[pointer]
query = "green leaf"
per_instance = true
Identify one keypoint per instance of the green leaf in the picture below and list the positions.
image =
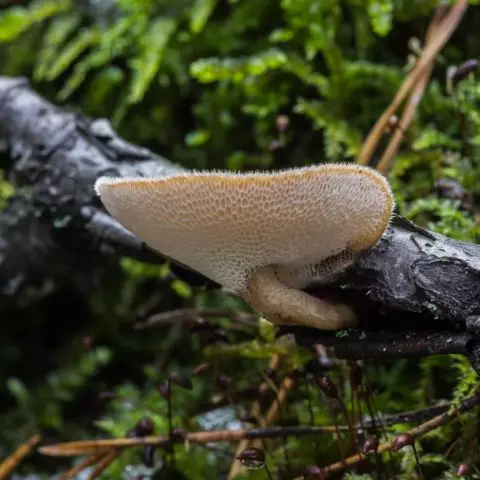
(200, 13)
(341, 138)
(182, 289)
(430, 138)
(12, 23)
(141, 270)
(197, 138)
(266, 330)
(381, 15)
(281, 35)
(81, 42)
(108, 44)
(6, 190)
(16, 20)
(18, 390)
(58, 31)
(235, 70)
(146, 65)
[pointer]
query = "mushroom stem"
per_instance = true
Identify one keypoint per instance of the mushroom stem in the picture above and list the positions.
(283, 305)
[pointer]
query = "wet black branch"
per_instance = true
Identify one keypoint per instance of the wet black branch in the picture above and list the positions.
(55, 231)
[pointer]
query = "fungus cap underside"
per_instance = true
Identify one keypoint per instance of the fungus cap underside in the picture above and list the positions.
(224, 225)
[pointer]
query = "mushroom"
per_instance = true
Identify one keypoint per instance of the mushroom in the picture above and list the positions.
(265, 236)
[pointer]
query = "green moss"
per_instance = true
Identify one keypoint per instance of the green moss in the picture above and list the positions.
(203, 83)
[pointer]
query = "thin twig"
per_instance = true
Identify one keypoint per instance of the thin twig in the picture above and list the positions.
(79, 448)
(431, 50)
(415, 97)
(103, 464)
(255, 411)
(93, 446)
(81, 466)
(188, 314)
(16, 457)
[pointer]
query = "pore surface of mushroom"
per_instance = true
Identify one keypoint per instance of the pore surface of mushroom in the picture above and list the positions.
(263, 235)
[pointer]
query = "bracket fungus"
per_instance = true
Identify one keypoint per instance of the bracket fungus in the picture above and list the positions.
(266, 236)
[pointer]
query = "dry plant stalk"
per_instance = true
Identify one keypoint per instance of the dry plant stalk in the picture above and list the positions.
(16, 457)
(84, 464)
(440, 30)
(103, 464)
(87, 447)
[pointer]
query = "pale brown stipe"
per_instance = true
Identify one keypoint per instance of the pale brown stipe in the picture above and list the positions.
(303, 225)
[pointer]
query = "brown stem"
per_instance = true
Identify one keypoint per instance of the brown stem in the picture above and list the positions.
(11, 462)
(80, 466)
(445, 29)
(103, 464)
(414, 100)
(79, 448)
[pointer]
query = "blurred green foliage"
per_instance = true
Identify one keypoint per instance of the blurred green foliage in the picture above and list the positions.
(204, 82)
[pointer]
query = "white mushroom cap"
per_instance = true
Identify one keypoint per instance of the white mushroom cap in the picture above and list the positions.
(225, 225)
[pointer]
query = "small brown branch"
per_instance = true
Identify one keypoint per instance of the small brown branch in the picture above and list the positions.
(280, 398)
(79, 448)
(445, 29)
(16, 457)
(419, 89)
(189, 314)
(81, 466)
(103, 464)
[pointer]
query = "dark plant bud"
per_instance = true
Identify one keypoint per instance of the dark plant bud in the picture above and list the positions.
(370, 445)
(203, 367)
(224, 382)
(164, 390)
(148, 455)
(275, 145)
(312, 472)
(356, 375)
(181, 380)
(252, 458)
(144, 427)
(463, 470)
(87, 342)
(464, 70)
(392, 123)
(326, 386)
(282, 122)
(179, 435)
(402, 440)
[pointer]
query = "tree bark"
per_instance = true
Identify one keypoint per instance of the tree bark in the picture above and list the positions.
(55, 230)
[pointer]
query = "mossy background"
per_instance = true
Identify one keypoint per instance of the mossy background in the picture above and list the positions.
(203, 83)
